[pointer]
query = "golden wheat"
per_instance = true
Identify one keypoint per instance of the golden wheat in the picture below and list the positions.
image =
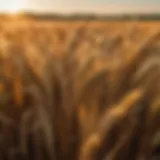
(79, 90)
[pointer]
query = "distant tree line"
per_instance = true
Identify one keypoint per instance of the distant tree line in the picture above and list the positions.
(121, 17)
(143, 17)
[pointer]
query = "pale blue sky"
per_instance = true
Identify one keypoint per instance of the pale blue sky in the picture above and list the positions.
(96, 6)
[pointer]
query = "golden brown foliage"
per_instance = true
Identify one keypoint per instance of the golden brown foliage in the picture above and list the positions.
(86, 91)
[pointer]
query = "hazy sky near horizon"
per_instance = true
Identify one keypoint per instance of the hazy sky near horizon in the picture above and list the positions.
(69, 6)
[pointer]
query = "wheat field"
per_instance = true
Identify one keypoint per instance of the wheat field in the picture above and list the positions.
(79, 90)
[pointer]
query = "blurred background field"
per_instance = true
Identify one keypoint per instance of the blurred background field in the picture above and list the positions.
(33, 35)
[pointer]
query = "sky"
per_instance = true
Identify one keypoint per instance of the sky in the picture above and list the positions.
(72, 6)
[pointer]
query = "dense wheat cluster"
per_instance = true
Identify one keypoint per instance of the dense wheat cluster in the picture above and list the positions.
(79, 90)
